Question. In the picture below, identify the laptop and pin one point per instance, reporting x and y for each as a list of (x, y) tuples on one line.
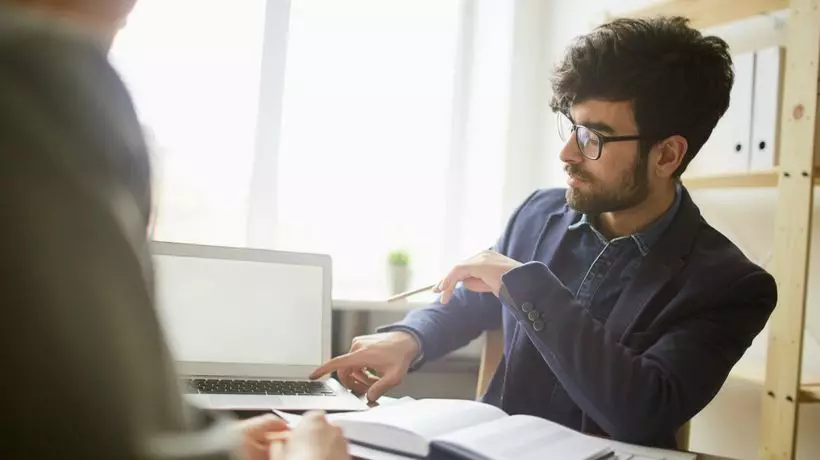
[(246, 327)]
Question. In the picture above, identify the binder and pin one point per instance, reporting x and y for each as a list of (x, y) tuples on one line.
[(728, 148), (766, 111)]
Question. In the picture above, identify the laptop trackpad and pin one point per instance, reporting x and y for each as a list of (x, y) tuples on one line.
[(244, 401)]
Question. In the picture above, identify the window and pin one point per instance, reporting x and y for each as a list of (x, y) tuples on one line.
[(193, 68), (309, 125)]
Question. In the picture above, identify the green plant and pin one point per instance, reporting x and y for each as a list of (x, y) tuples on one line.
[(399, 257)]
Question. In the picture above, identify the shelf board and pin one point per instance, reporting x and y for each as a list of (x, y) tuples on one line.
[(707, 13), (733, 180), (748, 179), (752, 366), (810, 393)]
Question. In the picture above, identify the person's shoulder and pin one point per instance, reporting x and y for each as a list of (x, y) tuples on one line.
[(719, 262), (713, 248), (57, 80)]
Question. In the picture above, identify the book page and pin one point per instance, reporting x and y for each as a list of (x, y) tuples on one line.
[(522, 437), (407, 428), (367, 453), (426, 417)]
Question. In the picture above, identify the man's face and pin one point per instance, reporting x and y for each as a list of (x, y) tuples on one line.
[(619, 178)]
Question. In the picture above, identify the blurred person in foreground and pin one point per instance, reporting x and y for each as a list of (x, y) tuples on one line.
[(86, 370)]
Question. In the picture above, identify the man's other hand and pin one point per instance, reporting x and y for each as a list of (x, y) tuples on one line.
[(374, 364), (480, 273)]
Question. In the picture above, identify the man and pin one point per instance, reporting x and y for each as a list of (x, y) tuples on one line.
[(623, 311), (86, 371)]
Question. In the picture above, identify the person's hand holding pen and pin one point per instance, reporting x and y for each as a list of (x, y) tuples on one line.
[(480, 273), (314, 438), (255, 434)]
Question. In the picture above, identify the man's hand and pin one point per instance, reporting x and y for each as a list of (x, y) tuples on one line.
[(389, 354), (255, 444), (314, 438), (481, 273)]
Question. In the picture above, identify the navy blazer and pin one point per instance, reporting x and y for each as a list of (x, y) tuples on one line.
[(686, 317)]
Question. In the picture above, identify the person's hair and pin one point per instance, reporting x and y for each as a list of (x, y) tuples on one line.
[(677, 79)]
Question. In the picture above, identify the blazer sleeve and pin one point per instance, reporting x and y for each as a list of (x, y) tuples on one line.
[(636, 397), (441, 329), (86, 371)]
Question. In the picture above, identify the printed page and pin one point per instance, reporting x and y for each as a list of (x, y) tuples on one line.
[(523, 437)]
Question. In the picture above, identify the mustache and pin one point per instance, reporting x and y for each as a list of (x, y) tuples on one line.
[(576, 171)]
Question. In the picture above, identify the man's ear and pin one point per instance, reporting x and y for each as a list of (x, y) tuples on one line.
[(670, 153)]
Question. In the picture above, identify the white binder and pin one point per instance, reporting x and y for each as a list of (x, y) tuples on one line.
[(728, 148), (766, 110)]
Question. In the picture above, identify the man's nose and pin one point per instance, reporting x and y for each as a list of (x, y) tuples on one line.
[(570, 153)]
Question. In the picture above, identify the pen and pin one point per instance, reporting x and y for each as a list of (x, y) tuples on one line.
[(407, 294)]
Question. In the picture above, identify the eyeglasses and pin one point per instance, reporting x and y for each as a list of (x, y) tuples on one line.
[(590, 142)]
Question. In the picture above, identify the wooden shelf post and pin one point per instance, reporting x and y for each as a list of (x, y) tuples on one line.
[(792, 232)]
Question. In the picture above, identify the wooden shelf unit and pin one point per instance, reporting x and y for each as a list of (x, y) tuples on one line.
[(794, 178)]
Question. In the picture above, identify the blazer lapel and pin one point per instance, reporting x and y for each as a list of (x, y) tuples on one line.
[(664, 260), (552, 234)]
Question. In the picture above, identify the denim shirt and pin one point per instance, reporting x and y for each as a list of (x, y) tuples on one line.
[(596, 269)]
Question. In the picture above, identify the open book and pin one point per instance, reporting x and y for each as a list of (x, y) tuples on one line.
[(461, 429)]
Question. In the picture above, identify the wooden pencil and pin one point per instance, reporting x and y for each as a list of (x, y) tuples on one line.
[(407, 294)]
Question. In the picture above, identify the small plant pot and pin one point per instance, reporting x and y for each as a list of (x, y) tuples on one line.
[(399, 279)]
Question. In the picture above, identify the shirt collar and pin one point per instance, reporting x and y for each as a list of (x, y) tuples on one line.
[(644, 238)]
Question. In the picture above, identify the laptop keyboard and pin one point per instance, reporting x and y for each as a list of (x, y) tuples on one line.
[(258, 387)]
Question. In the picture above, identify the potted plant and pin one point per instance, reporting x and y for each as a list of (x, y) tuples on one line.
[(399, 265)]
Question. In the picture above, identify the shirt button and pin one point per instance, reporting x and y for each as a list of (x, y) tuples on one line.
[(538, 326), (533, 315), (527, 307)]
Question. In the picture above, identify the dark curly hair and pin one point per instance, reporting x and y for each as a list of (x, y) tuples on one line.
[(677, 79)]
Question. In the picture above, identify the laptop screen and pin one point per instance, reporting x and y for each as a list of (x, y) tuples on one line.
[(240, 311)]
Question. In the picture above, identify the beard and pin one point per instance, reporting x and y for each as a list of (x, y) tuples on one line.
[(631, 189)]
